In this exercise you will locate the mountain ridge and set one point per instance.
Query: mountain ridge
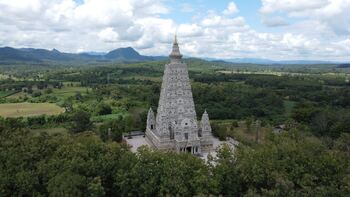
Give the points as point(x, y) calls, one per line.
point(125, 54)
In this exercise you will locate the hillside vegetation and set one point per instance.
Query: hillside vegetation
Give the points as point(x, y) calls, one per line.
point(293, 131)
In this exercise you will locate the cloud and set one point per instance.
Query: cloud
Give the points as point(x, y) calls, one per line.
point(332, 13)
point(317, 29)
point(274, 21)
point(189, 30)
point(271, 6)
point(231, 8)
point(185, 7)
point(108, 35)
point(102, 23)
point(219, 21)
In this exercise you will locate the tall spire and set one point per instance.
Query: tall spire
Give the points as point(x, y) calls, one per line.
point(175, 39)
point(175, 55)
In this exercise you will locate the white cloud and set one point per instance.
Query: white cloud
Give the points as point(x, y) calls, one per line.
point(217, 21)
point(231, 8)
point(189, 30)
point(186, 8)
point(108, 35)
point(320, 28)
point(333, 13)
point(274, 21)
point(271, 6)
point(93, 23)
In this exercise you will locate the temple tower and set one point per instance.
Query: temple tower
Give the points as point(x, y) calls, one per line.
point(176, 126)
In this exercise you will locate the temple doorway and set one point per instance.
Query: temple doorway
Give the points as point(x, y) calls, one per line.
point(189, 149)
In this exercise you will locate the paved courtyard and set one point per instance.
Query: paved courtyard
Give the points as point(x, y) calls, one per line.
point(216, 144)
point(137, 141)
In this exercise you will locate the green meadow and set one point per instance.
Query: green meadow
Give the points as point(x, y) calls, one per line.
point(29, 109)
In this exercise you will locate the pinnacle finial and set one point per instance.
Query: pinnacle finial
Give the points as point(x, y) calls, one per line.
point(175, 54)
point(175, 38)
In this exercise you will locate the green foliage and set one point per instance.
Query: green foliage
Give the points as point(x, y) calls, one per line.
point(160, 174)
point(6, 93)
point(67, 184)
point(85, 164)
point(103, 109)
point(331, 123)
point(48, 91)
point(95, 188)
point(113, 130)
point(235, 101)
point(234, 124)
point(219, 131)
point(248, 123)
point(36, 94)
point(80, 121)
point(290, 164)
point(287, 165)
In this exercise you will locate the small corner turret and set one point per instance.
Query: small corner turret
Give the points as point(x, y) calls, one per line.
point(205, 124)
point(151, 122)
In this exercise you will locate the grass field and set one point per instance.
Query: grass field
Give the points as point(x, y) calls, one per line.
point(64, 92)
point(29, 109)
point(6, 93)
point(17, 95)
point(106, 117)
point(69, 91)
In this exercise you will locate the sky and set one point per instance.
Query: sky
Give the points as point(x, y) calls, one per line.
point(269, 29)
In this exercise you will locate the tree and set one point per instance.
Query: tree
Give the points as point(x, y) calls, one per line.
point(219, 131)
point(95, 188)
point(103, 109)
point(114, 129)
point(68, 105)
point(36, 93)
point(292, 164)
point(80, 121)
point(67, 184)
point(248, 123)
point(164, 174)
point(48, 91)
point(78, 96)
point(225, 174)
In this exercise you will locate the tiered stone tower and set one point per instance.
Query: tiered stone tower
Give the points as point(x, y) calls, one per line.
point(175, 126)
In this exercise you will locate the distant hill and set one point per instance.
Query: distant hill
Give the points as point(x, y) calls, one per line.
point(344, 65)
point(128, 54)
point(8, 55)
point(268, 61)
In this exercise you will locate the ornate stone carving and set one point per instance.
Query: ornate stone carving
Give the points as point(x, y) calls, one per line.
point(176, 126)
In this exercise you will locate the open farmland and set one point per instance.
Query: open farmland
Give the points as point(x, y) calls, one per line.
point(29, 109)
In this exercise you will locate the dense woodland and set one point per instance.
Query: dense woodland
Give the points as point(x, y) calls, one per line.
point(86, 157)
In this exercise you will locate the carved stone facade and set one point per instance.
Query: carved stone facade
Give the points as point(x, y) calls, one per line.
point(175, 127)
